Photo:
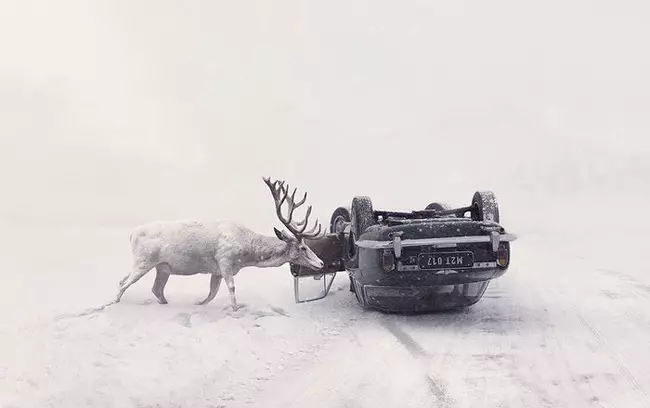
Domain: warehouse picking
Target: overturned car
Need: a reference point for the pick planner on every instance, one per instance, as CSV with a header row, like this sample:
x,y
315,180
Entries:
x,y
434,259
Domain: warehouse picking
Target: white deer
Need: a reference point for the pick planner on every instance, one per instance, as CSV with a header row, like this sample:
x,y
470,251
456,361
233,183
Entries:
x,y
219,248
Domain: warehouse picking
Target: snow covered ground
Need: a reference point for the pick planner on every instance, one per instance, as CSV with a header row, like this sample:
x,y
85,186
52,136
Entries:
x,y
116,113
566,326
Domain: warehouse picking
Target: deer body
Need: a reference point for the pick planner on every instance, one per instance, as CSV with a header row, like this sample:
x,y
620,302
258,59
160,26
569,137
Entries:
x,y
191,247
218,248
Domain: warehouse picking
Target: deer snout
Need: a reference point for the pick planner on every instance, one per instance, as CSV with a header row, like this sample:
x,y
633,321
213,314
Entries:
x,y
316,263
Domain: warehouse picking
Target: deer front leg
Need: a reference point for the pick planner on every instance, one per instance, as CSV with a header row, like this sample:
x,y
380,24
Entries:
x,y
230,282
215,282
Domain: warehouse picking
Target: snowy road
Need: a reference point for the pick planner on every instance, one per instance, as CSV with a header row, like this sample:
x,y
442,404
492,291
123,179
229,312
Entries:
x,y
118,112
553,332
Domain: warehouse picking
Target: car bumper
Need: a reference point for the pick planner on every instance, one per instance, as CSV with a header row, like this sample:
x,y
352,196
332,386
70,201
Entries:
x,y
416,280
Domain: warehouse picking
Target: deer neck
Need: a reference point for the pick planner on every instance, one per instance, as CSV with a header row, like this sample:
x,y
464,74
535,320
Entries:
x,y
268,252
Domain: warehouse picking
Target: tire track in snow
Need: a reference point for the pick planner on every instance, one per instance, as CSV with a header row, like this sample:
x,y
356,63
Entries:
x,y
363,366
631,379
419,353
600,338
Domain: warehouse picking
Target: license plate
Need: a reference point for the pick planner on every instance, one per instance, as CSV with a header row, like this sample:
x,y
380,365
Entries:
x,y
446,260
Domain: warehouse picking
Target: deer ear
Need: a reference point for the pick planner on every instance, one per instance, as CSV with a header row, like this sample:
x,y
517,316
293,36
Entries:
x,y
284,236
279,234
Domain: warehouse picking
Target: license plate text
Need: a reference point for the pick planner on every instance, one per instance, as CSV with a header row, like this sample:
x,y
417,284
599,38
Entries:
x,y
446,260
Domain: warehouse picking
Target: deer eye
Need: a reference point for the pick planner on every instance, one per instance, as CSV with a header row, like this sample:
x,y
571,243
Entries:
x,y
302,248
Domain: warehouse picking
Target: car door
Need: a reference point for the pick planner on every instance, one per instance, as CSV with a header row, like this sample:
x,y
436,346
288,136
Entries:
x,y
330,249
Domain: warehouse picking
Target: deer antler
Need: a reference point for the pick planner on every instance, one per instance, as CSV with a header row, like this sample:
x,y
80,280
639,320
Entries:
x,y
280,193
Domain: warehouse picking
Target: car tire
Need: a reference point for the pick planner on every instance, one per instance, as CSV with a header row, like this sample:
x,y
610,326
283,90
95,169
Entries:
x,y
362,217
486,207
340,216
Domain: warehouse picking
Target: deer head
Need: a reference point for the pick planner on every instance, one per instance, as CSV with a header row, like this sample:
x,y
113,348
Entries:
x,y
299,252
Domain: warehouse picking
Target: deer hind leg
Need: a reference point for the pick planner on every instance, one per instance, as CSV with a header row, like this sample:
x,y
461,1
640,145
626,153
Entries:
x,y
215,282
137,273
163,271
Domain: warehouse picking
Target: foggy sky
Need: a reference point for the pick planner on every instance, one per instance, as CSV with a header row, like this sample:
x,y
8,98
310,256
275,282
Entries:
x,y
125,111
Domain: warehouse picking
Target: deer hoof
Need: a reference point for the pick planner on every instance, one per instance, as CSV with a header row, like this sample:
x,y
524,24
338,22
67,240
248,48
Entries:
x,y
161,299
236,307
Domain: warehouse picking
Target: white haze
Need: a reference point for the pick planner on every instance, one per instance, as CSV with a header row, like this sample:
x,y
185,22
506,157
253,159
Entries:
x,y
123,111
119,112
